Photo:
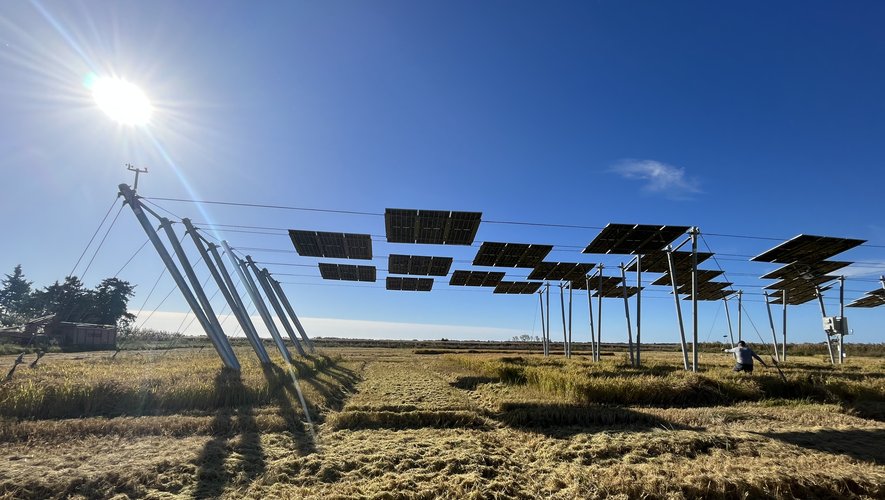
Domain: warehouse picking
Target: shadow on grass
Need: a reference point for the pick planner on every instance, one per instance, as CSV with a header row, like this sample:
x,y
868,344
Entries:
x,y
284,393
856,443
212,474
470,383
561,419
335,393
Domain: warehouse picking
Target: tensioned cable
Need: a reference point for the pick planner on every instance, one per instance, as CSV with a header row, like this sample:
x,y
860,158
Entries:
x,y
101,243
133,257
94,235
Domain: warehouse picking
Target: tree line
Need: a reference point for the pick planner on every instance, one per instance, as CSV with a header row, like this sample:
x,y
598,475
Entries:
x,y
106,304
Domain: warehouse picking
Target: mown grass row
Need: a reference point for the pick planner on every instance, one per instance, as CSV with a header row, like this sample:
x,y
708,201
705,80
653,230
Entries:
x,y
611,382
145,385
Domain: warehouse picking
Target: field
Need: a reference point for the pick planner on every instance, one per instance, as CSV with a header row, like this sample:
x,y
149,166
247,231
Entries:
x,y
388,422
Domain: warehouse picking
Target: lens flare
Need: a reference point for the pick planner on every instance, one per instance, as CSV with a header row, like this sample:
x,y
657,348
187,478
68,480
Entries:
x,y
124,102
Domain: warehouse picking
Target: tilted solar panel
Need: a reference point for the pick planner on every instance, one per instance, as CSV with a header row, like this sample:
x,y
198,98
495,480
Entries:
x,y
807,248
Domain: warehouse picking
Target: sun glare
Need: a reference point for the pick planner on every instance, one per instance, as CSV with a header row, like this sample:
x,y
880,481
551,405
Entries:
x,y
122,101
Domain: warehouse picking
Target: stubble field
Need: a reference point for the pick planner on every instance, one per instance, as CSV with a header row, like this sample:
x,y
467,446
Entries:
x,y
406,423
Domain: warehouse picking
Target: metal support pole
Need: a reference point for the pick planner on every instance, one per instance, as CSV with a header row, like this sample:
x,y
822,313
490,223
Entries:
x,y
784,343
627,314
599,307
284,300
740,314
570,319
728,319
130,198
275,304
842,315
562,307
196,286
548,319
543,328
694,297
227,289
823,314
590,315
771,323
638,309
672,268
252,290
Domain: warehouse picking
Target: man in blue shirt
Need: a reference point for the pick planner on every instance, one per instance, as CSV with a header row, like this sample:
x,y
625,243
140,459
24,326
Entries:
x,y
744,356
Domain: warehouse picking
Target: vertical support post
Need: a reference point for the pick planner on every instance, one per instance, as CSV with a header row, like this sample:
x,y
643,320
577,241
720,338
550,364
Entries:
x,y
627,314
130,198
694,297
562,307
784,343
226,286
548,318
570,319
590,315
672,268
599,307
638,309
543,328
740,314
252,290
842,315
289,309
728,319
771,323
823,314
275,304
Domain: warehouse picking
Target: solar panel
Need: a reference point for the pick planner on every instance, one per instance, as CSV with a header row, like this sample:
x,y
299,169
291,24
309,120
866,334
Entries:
x,y
684,279
873,298
494,254
617,291
437,227
703,287
476,278
607,282
332,245
713,295
409,284
807,270
796,298
560,271
634,238
807,248
800,283
656,262
517,287
347,272
418,265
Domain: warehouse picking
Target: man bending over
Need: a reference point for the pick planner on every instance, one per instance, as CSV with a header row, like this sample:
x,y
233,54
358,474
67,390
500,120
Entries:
x,y
744,356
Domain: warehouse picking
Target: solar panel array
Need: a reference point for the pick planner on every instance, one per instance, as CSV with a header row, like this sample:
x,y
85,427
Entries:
x,y
617,292
436,227
332,245
517,287
347,272
874,298
684,279
419,265
713,295
476,278
656,262
561,271
409,284
806,265
634,238
495,254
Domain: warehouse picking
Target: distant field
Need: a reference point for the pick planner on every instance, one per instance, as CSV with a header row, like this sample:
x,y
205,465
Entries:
x,y
439,421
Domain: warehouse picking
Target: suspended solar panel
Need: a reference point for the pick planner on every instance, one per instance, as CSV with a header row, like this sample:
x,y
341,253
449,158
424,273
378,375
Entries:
x,y
874,298
713,295
605,283
796,298
347,272
510,254
436,227
561,271
656,262
419,265
634,238
796,284
703,287
476,278
409,284
807,248
806,270
684,279
332,245
617,291
517,287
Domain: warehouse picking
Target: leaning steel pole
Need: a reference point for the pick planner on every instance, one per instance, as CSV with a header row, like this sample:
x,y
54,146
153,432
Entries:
x,y
627,314
272,298
562,306
284,300
130,197
590,315
543,328
672,268
777,356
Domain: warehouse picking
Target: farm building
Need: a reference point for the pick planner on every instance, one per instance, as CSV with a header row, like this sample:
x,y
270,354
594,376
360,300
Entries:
x,y
65,334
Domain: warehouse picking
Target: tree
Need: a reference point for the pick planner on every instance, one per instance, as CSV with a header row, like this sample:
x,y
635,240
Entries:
x,y
15,297
69,301
111,298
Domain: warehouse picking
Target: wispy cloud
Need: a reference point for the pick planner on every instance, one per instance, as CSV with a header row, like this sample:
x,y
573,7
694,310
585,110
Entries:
x,y
658,178
866,268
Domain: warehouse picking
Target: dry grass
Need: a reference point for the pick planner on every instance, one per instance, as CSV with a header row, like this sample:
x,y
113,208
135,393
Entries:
x,y
426,426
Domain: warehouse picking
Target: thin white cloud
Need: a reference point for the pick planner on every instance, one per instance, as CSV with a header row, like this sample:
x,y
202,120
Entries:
x,y
658,178
866,268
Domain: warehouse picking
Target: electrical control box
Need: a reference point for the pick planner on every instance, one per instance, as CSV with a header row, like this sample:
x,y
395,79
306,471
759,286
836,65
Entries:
x,y
836,325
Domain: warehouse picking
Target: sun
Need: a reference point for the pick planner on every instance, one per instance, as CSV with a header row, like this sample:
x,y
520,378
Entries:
x,y
123,101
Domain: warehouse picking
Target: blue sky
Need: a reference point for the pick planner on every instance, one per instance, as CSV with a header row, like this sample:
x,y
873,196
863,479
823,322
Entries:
x,y
747,118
